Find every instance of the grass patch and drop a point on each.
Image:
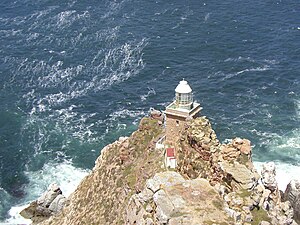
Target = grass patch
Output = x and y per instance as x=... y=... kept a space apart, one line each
x=243 y=193
x=131 y=179
x=177 y=214
x=259 y=215
x=243 y=159
x=218 y=204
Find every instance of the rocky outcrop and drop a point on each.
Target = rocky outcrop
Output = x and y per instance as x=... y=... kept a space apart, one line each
x=50 y=203
x=157 y=115
x=213 y=183
x=168 y=198
x=268 y=177
x=292 y=194
x=195 y=151
x=235 y=160
x=120 y=171
x=200 y=154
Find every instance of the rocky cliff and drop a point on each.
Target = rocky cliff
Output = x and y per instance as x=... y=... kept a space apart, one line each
x=213 y=183
x=119 y=172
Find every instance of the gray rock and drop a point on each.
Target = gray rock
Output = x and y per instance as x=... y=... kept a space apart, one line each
x=57 y=204
x=145 y=196
x=292 y=194
x=149 y=208
x=135 y=211
x=48 y=204
x=178 y=202
x=149 y=221
x=264 y=223
x=169 y=178
x=248 y=218
x=164 y=206
x=268 y=176
x=48 y=196
x=182 y=220
x=244 y=176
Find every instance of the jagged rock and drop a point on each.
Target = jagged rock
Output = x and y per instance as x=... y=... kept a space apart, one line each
x=156 y=114
x=268 y=176
x=51 y=202
x=145 y=195
x=35 y=212
x=265 y=197
x=149 y=208
x=180 y=201
x=57 y=204
x=243 y=145
x=165 y=179
x=149 y=221
x=124 y=169
x=282 y=214
x=52 y=192
x=135 y=211
x=292 y=194
x=240 y=173
x=164 y=206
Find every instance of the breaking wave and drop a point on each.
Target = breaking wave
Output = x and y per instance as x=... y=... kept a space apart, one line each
x=64 y=174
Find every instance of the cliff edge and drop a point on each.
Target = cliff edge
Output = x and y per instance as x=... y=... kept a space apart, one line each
x=213 y=183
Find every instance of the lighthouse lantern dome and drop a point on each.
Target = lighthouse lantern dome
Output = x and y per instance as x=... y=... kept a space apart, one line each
x=184 y=95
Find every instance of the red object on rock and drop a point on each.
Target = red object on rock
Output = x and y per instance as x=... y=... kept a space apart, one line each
x=170 y=152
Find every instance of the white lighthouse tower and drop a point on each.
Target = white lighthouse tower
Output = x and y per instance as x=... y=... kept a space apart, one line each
x=177 y=113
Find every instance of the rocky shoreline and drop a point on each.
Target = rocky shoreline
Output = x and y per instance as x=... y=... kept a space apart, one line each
x=213 y=183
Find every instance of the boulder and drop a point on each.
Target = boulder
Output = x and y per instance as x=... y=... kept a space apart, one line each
x=177 y=201
x=244 y=177
x=135 y=211
x=164 y=206
x=57 y=204
x=149 y=221
x=268 y=176
x=145 y=195
x=51 y=202
x=166 y=179
x=156 y=114
x=47 y=197
x=292 y=194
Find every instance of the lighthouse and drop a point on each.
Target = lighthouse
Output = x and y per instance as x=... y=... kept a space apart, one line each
x=179 y=111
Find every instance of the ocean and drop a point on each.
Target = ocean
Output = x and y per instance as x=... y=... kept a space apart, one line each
x=76 y=75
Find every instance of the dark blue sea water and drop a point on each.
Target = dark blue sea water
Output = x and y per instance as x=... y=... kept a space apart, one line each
x=76 y=75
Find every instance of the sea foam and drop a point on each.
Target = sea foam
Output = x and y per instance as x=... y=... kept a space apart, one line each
x=64 y=174
x=284 y=173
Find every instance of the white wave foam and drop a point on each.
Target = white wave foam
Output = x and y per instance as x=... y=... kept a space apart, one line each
x=284 y=173
x=108 y=67
x=150 y=92
x=15 y=217
x=206 y=17
x=231 y=75
x=297 y=108
x=64 y=174
x=122 y=114
x=249 y=59
x=67 y=18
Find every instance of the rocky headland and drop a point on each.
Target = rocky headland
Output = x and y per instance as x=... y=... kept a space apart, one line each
x=213 y=183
